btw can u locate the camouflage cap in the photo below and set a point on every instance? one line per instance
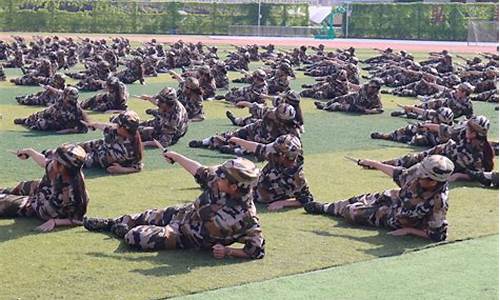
(240, 171)
(436, 167)
(376, 82)
(192, 82)
(466, 87)
(166, 95)
(70, 94)
(288, 146)
(445, 115)
(284, 112)
(70, 155)
(128, 119)
(479, 124)
(291, 96)
(259, 74)
(112, 80)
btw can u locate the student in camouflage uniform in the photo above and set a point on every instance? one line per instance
(96, 78)
(252, 93)
(276, 122)
(366, 100)
(191, 96)
(220, 75)
(121, 149)
(134, 72)
(327, 88)
(424, 87)
(418, 207)
(170, 121)
(207, 82)
(282, 182)
(64, 116)
(59, 198)
(278, 82)
(222, 215)
(114, 99)
(47, 96)
(469, 150)
(258, 110)
(417, 134)
(41, 74)
(457, 100)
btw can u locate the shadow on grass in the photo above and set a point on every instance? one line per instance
(22, 227)
(387, 245)
(167, 262)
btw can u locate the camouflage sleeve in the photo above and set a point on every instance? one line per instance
(488, 179)
(204, 175)
(253, 239)
(304, 195)
(414, 158)
(263, 152)
(437, 226)
(257, 110)
(400, 176)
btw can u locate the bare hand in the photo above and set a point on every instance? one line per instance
(219, 251)
(113, 168)
(23, 154)
(234, 140)
(47, 226)
(170, 156)
(367, 163)
(240, 104)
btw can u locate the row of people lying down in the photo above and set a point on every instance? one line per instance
(225, 213)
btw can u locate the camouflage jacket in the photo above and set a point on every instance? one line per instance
(59, 196)
(277, 182)
(215, 218)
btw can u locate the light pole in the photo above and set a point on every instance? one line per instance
(258, 21)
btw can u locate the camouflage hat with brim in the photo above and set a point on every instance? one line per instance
(70, 94)
(291, 96)
(192, 82)
(284, 112)
(128, 119)
(445, 115)
(480, 124)
(166, 95)
(259, 74)
(466, 87)
(70, 155)
(436, 167)
(240, 171)
(288, 146)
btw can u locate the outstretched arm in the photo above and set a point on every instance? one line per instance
(35, 155)
(188, 164)
(248, 145)
(385, 168)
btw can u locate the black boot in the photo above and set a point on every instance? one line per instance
(195, 144)
(98, 224)
(314, 208)
(231, 117)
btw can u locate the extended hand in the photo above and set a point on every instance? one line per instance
(47, 226)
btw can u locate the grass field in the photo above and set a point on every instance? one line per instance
(76, 264)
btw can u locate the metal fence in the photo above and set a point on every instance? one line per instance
(480, 31)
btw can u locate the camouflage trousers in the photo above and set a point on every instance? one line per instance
(411, 135)
(488, 96)
(90, 84)
(102, 102)
(404, 92)
(128, 77)
(15, 202)
(194, 109)
(30, 80)
(368, 209)
(97, 156)
(148, 133)
(150, 230)
(44, 98)
(275, 87)
(40, 121)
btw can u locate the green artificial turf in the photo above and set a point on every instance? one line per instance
(73, 263)
(453, 271)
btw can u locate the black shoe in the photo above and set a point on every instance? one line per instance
(376, 135)
(19, 121)
(319, 104)
(119, 230)
(314, 208)
(219, 97)
(397, 113)
(97, 224)
(195, 144)
(231, 117)
(385, 92)
(226, 150)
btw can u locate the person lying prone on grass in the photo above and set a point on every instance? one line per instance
(417, 208)
(223, 214)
